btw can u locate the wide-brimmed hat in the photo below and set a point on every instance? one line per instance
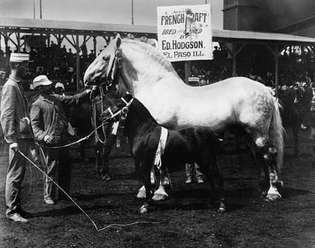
(41, 80)
(19, 57)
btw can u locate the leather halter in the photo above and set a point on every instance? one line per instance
(114, 70)
(116, 116)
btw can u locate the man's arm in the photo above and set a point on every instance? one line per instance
(75, 99)
(39, 133)
(8, 114)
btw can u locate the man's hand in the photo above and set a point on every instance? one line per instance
(27, 120)
(48, 139)
(92, 91)
(14, 147)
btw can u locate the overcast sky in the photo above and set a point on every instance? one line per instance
(104, 11)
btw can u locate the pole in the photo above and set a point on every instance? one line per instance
(77, 62)
(94, 45)
(34, 11)
(132, 17)
(40, 9)
(187, 70)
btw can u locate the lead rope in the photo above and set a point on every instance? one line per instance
(102, 110)
(94, 120)
(78, 206)
(95, 130)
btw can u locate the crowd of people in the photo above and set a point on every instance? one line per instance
(58, 63)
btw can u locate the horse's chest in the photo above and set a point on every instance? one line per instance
(145, 144)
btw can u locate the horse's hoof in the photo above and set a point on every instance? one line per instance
(144, 209)
(141, 193)
(272, 197)
(159, 197)
(222, 208)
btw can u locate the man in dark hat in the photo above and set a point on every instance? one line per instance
(17, 133)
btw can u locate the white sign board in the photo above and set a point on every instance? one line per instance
(184, 32)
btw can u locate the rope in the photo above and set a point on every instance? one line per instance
(94, 131)
(78, 206)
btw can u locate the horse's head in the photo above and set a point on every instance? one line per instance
(105, 65)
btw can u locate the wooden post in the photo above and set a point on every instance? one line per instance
(276, 55)
(187, 70)
(94, 45)
(234, 73)
(18, 38)
(6, 43)
(77, 62)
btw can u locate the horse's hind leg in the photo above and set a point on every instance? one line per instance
(210, 168)
(269, 154)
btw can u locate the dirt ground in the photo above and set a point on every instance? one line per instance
(188, 219)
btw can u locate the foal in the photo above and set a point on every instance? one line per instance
(183, 146)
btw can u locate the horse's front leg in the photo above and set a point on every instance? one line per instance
(161, 177)
(295, 130)
(98, 158)
(106, 150)
(148, 189)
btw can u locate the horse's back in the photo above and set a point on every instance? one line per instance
(237, 99)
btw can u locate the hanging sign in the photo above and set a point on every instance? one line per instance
(184, 32)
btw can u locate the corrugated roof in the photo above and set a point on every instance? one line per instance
(250, 35)
(75, 26)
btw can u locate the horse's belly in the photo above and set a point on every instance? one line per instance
(204, 115)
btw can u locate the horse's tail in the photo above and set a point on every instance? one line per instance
(276, 132)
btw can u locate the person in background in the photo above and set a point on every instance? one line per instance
(17, 133)
(306, 104)
(51, 128)
(59, 89)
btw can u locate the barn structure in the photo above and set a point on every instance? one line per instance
(19, 32)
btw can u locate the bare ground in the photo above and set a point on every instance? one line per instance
(188, 219)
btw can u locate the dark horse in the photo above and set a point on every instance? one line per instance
(183, 146)
(85, 117)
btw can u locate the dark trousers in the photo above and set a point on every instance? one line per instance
(58, 168)
(15, 175)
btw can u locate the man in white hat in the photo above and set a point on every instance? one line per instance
(17, 133)
(51, 128)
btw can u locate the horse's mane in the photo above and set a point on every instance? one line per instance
(152, 52)
(140, 111)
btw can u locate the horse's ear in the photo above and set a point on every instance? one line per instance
(118, 41)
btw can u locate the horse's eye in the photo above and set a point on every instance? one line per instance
(105, 59)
